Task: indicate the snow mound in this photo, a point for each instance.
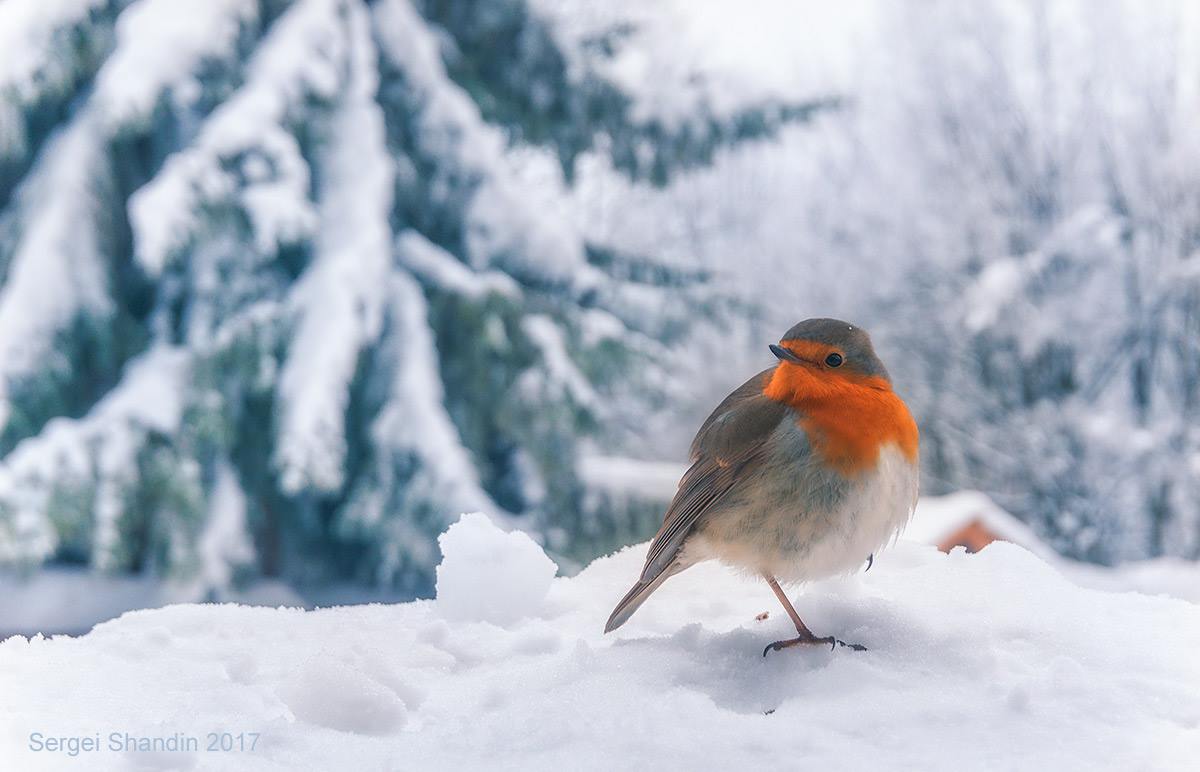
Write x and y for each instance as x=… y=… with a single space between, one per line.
x=980 y=661
x=487 y=575
x=328 y=693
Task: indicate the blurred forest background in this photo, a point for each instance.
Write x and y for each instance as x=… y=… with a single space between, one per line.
x=287 y=286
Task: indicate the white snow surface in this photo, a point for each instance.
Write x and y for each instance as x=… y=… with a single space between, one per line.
x=984 y=661
x=517 y=573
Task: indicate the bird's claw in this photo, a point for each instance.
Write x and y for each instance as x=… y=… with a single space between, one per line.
x=870 y=562
x=833 y=644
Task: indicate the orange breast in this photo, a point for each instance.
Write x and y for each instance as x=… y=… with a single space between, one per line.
x=848 y=418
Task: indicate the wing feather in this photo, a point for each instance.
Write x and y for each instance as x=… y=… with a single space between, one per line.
x=731 y=438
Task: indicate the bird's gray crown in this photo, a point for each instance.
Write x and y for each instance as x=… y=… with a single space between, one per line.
x=851 y=340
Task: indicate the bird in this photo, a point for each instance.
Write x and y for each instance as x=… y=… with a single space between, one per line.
x=802 y=473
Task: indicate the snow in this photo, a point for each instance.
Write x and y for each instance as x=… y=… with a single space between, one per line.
x=436 y=266
x=331 y=695
x=56 y=272
x=1166 y=577
x=26 y=29
x=160 y=44
x=487 y=575
x=560 y=370
x=296 y=61
x=69 y=600
x=415 y=416
x=1091 y=234
x=996 y=287
x=937 y=517
x=225 y=542
x=520 y=219
x=97 y=452
x=654 y=480
x=72 y=600
x=987 y=661
x=682 y=56
x=339 y=301
x=518 y=216
x=415 y=425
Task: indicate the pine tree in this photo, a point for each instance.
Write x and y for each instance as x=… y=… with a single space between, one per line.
x=287 y=286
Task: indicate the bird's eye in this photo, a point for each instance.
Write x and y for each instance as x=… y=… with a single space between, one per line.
x=834 y=360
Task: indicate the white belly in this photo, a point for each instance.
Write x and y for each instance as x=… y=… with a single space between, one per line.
x=769 y=533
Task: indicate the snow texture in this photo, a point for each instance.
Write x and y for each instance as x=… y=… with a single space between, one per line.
x=964 y=670
x=677 y=57
x=487 y=575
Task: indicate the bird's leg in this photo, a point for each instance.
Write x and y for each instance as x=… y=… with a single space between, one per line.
x=804 y=635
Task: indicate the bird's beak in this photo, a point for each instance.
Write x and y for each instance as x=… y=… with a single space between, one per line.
x=785 y=355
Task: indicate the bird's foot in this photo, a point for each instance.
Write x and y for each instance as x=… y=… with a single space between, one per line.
x=833 y=644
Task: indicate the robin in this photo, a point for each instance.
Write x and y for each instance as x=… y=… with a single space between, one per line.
x=802 y=473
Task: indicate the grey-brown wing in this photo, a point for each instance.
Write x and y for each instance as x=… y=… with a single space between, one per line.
x=730 y=441
x=715 y=427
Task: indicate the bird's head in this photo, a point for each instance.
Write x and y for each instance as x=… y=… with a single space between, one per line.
x=831 y=349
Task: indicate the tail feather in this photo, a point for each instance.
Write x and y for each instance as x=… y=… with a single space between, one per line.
x=633 y=600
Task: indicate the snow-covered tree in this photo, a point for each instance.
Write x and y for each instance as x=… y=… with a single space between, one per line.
x=1068 y=186
x=1010 y=202
x=287 y=286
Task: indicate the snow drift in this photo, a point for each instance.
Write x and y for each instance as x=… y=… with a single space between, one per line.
x=989 y=661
